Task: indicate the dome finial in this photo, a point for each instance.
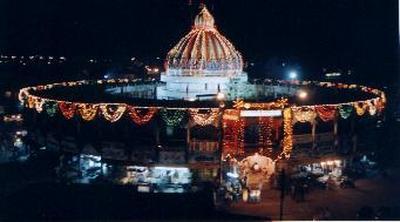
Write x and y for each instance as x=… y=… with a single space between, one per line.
x=202 y=5
x=204 y=19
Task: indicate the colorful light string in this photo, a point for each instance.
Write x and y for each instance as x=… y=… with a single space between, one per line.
x=345 y=111
x=305 y=113
x=141 y=116
x=67 y=109
x=87 y=111
x=112 y=112
x=203 y=119
x=326 y=113
x=287 y=142
x=172 y=118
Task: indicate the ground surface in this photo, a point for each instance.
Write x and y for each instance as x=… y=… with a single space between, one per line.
x=30 y=190
x=342 y=203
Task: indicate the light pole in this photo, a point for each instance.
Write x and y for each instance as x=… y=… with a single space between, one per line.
x=292 y=77
x=282 y=184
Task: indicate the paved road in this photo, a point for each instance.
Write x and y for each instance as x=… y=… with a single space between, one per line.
x=342 y=203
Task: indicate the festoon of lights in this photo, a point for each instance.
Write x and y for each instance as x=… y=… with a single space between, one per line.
x=172 y=116
x=207 y=117
x=68 y=108
x=87 y=111
x=141 y=116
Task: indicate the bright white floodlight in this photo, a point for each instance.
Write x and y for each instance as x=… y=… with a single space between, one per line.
x=302 y=94
x=293 y=75
x=220 y=96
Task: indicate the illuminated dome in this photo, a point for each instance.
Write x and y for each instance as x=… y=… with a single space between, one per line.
x=204 y=51
x=202 y=64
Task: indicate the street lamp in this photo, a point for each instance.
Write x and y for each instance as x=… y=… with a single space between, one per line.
x=220 y=97
x=302 y=94
x=293 y=75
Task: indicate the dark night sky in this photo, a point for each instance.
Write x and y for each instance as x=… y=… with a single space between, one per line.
x=358 y=34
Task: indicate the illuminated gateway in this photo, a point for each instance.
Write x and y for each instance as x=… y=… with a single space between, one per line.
x=203 y=63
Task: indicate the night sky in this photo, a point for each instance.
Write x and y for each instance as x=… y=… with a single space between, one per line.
x=360 y=35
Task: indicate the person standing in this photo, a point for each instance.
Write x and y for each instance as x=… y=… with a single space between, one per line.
x=301 y=193
x=292 y=190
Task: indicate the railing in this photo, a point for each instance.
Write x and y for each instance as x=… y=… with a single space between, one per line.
x=203 y=146
x=307 y=138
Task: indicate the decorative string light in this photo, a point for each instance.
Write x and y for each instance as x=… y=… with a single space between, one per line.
x=240 y=134
x=326 y=113
x=50 y=107
x=228 y=136
x=31 y=102
x=288 y=133
x=345 y=111
x=231 y=131
x=379 y=104
x=279 y=104
x=371 y=108
x=113 y=112
x=141 y=116
x=67 y=109
x=382 y=96
x=22 y=97
x=231 y=114
x=360 y=107
x=87 y=111
x=172 y=117
x=39 y=104
x=303 y=115
x=265 y=133
x=374 y=105
x=203 y=119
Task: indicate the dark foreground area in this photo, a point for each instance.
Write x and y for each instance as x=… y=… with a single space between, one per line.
x=30 y=191
x=50 y=201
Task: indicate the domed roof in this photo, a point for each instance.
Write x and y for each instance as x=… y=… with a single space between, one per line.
x=204 y=51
